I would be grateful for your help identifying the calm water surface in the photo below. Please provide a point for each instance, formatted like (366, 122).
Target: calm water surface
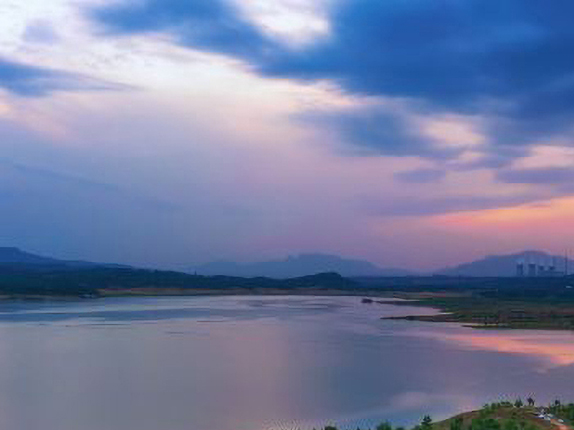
(257, 363)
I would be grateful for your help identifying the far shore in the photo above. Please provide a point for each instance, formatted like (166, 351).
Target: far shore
(463, 307)
(189, 292)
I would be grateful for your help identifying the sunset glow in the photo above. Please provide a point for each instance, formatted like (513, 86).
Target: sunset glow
(549, 347)
(252, 130)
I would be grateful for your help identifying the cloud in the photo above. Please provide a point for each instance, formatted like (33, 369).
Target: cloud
(214, 25)
(421, 206)
(377, 130)
(40, 31)
(511, 61)
(421, 176)
(450, 53)
(538, 176)
(34, 81)
(491, 157)
(86, 185)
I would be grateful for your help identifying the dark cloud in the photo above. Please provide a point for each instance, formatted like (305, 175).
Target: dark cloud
(377, 131)
(421, 176)
(213, 25)
(451, 53)
(33, 81)
(510, 60)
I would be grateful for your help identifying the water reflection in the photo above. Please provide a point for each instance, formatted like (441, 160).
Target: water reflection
(240, 363)
(553, 348)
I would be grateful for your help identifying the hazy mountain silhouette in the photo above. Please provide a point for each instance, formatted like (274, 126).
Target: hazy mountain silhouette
(14, 256)
(505, 265)
(299, 265)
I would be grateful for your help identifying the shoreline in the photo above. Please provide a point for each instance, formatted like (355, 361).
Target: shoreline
(502, 415)
(452, 307)
(196, 292)
(489, 313)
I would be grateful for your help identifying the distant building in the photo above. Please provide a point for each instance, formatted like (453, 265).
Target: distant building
(532, 270)
(543, 267)
(552, 267)
(520, 269)
(541, 270)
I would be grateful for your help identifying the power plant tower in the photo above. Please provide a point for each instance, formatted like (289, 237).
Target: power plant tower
(542, 266)
(531, 269)
(541, 269)
(520, 268)
(552, 267)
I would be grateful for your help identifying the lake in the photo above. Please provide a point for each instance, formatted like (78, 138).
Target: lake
(257, 363)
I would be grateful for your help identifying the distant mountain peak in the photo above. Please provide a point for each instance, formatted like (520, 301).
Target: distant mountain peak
(11, 255)
(6, 250)
(505, 265)
(299, 265)
(14, 255)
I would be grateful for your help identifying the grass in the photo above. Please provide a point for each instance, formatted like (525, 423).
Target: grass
(497, 416)
(486, 312)
(525, 417)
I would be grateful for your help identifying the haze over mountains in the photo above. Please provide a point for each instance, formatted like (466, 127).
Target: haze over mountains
(307, 264)
(300, 265)
(311, 264)
(10, 255)
(505, 265)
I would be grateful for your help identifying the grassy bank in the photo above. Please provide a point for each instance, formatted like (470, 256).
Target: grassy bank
(477, 310)
(522, 303)
(517, 415)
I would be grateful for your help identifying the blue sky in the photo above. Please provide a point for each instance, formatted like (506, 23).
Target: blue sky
(169, 132)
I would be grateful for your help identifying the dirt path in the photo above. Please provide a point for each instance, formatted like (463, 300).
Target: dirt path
(561, 426)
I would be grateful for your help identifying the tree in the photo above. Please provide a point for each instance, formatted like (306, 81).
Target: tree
(518, 403)
(385, 426)
(426, 423)
(511, 425)
(456, 424)
(530, 401)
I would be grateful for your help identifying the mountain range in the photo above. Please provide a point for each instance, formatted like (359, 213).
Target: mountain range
(10, 255)
(299, 265)
(506, 265)
(310, 264)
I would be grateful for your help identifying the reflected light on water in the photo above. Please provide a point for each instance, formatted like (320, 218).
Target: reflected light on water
(555, 349)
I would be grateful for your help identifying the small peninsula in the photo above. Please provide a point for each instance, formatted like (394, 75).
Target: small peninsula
(503, 415)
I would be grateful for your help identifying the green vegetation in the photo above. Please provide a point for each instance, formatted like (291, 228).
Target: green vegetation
(26, 281)
(537, 303)
(504, 415)
(480, 310)
(483, 302)
(562, 411)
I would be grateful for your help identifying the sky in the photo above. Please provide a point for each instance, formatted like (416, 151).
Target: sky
(168, 133)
